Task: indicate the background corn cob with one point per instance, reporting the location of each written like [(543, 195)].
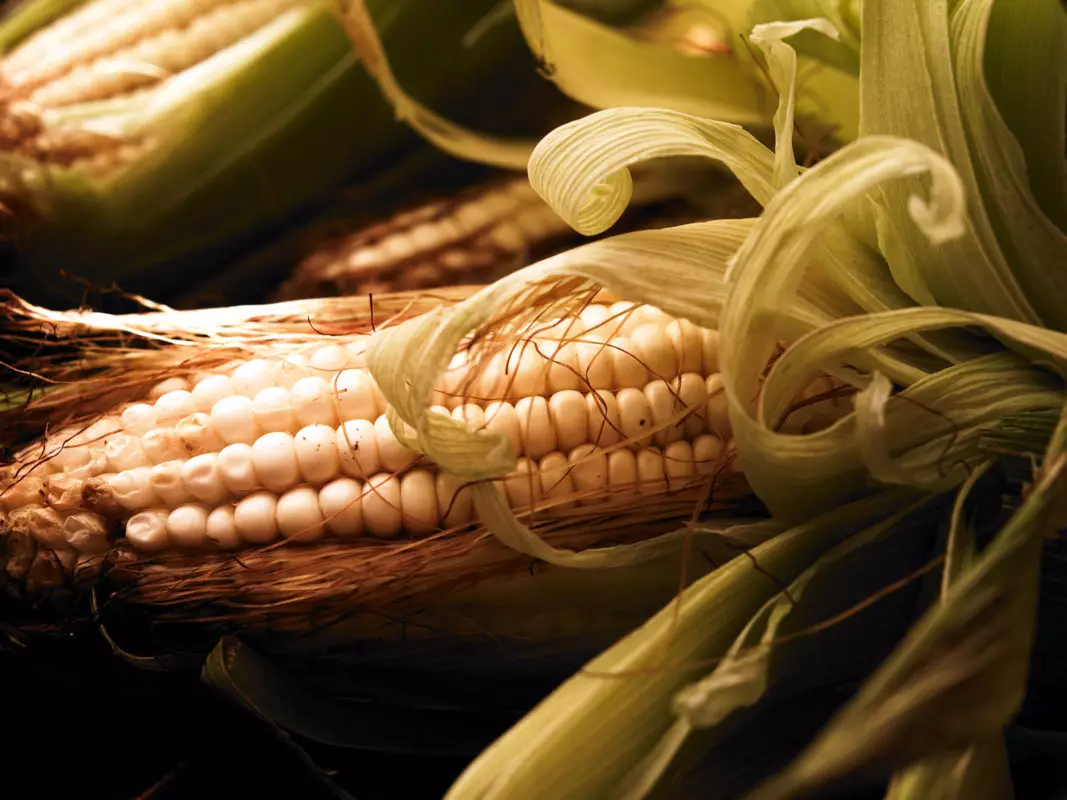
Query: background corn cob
[(180, 129), (475, 235)]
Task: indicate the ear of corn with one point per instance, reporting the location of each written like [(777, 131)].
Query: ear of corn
[(175, 129)]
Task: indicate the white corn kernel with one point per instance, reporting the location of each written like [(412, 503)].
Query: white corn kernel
[(236, 468), (255, 518), (655, 351), (536, 431), (357, 446), (252, 377), (273, 410), (211, 390), (203, 478), (392, 455), (187, 526), (299, 515), (172, 406), (147, 531), (316, 453), (342, 507), (314, 403), (221, 529), (234, 420), (418, 501), (138, 419), (382, 513), (355, 395), (274, 459)]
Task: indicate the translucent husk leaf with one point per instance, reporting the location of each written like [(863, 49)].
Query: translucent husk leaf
[(788, 647), (960, 674), (585, 737), (603, 68)]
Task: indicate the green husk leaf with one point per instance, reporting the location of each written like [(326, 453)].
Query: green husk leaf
[(788, 647), (782, 62), (1026, 48), (602, 68), (910, 39), (583, 739), (960, 674), (978, 773), (23, 19)]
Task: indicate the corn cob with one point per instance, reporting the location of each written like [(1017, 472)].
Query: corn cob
[(478, 235), (620, 399), (139, 134)]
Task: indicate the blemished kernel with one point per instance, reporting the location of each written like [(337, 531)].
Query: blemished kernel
[(63, 492), (124, 451), (86, 532), (274, 459), (314, 403), (342, 507), (382, 513), (234, 420), (132, 488), (221, 529), (203, 478), (147, 530), (635, 416), (299, 515), (418, 501), (355, 395), (166, 482), (273, 410), (161, 444), (198, 435), (237, 469), (357, 446), (255, 518), (316, 453), (187, 526)]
